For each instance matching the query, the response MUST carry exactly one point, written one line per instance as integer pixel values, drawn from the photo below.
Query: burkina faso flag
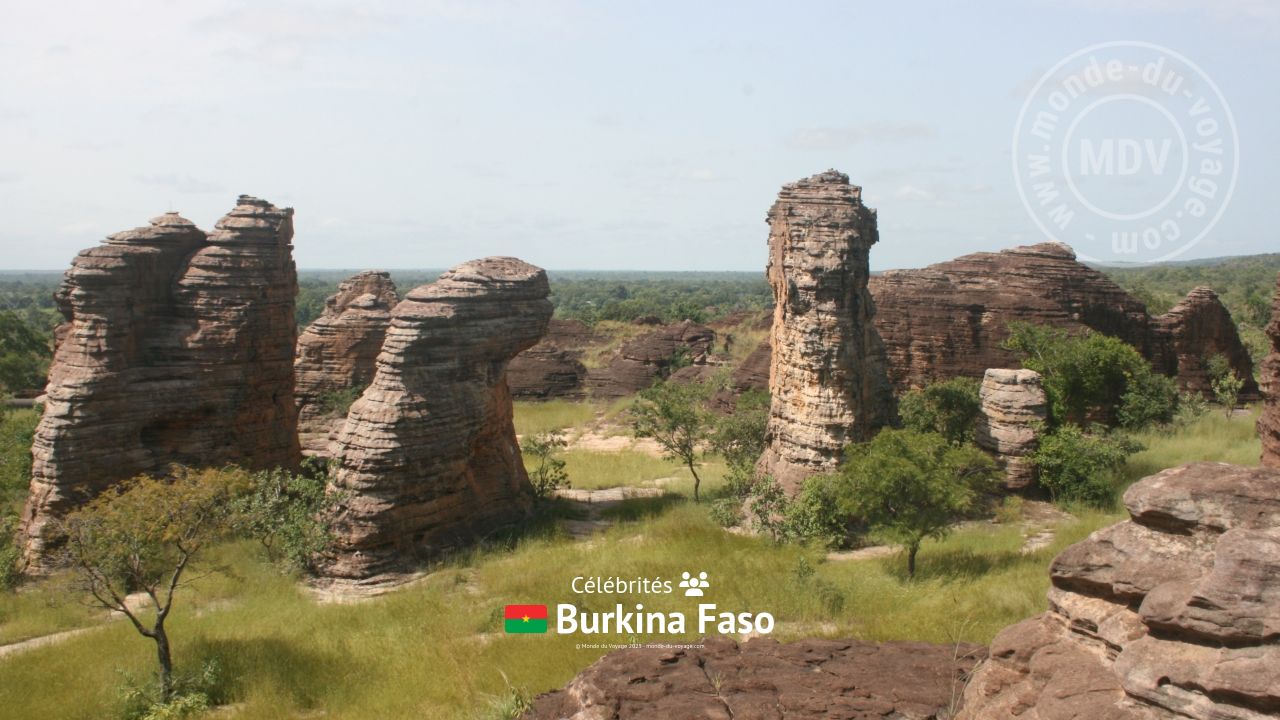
(526, 618)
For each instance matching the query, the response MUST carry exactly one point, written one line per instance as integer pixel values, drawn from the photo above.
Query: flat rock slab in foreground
(762, 679)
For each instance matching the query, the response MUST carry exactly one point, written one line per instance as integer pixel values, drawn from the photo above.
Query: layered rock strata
(760, 678)
(553, 368)
(427, 458)
(1172, 614)
(827, 378)
(650, 357)
(177, 347)
(1191, 334)
(1013, 412)
(952, 318)
(336, 354)
(1269, 423)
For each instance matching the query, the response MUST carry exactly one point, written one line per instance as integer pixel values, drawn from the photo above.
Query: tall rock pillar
(827, 378)
(1269, 423)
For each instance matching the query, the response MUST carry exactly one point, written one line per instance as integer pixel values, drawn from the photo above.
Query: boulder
(427, 458)
(650, 357)
(761, 678)
(827, 379)
(177, 347)
(1174, 613)
(1013, 412)
(1269, 423)
(553, 368)
(337, 352)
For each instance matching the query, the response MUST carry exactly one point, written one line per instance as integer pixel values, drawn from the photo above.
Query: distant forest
(28, 315)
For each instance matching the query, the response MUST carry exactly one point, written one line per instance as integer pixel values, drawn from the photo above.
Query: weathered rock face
(827, 378)
(950, 319)
(644, 360)
(428, 457)
(177, 348)
(1014, 408)
(1269, 423)
(1193, 331)
(1174, 613)
(803, 680)
(553, 368)
(336, 353)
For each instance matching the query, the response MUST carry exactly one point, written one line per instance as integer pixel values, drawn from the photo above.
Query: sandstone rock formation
(553, 368)
(827, 378)
(760, 678)
(650, 357)
(1194, 331)
(950, 319)
(336, 353)
(1269, 423)
(427, 458)
(1174, 613)
(177, 347)
(1014, 408)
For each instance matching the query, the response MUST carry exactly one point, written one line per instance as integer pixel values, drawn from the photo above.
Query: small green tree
(739, 438)
(548, 471)
(947, 407)
(288, 513)
(1079, 466)
(676, 417)
(908, 485)
(142, 535)
(1224, 382)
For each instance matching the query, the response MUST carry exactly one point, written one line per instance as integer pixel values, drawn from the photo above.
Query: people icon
(693, 586)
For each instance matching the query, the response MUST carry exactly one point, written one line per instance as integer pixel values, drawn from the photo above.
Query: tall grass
(551, 415)
(1212, 437)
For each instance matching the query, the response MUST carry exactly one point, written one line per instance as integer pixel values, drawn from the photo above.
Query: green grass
(536, 417)
(435, 650)
(1211, 437)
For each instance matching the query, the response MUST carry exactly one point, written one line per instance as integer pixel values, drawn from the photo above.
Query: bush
(337, 403)
(726, 512)
(287, 513)
(908, 486)
(739, 438)
(10, 553)
(548, 473)
(1094, 378)
(17, 430)
(814, 515)
(1076, 466)
(947, 407)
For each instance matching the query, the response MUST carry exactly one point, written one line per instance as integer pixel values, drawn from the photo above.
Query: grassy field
(436, 649)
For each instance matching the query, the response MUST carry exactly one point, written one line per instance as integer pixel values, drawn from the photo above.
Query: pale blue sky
(610, 135)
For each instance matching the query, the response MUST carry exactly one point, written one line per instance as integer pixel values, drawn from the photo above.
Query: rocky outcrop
(1013, 412)
(553, 368)
(1188, 336)
(760, 678)
(653, 356)
(951, 319)
(1269, 423)
(427, 458)
(177, 347)
(336, 354)
(1174, 613)
(827, 380)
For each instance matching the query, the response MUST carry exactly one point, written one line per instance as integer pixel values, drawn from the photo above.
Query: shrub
(548, 472)
(1224, 382)
(337, 403)
(10, 553)
(908, 485)
(1081, 467)
(739, 438)
(726, 512)
(947, 407)
(287, 512)
(814, 515)
(1093, 377)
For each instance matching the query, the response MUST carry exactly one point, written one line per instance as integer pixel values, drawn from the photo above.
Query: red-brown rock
(1172, 614)
(827, 380)
(1193, 332)
(1269, 423)
(337, 352)
(650, 357)
(553, 368)
(177, 348)
(427, 458)
(761, 679)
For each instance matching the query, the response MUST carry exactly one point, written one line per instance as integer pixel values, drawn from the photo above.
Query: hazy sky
(598, 135)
